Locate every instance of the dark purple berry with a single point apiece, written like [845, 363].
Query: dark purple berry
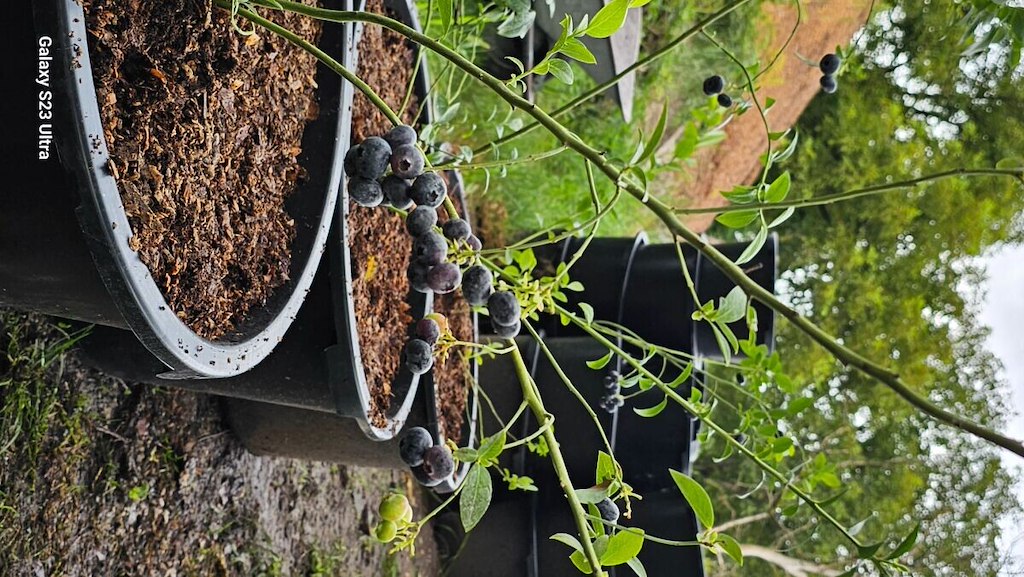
[829, 84]
[444, 278]
[396, 190]
[509, 332]
[713, 85]
[407, 161]
[417, 274]
[421, 221]
[477, 285]
[830, 64]
[429, 249]
[413, 444]
[351, 157]
[420, 474]
[724, 100]
[419, 356]
[365, 192]
[503, 308]
[456, 229]
[428, 330]
[438, 462]
[428, 189]
[474, 242]
[399, 135]
[369, 159]
[608, 509]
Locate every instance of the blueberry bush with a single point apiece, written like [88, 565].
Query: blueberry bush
[400, 171]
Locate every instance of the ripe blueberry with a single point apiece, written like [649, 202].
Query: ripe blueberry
[429, 248]
[713, 85]
[370, 158]
[438, 462]
[412, 445]
[503, 308]
[351, 158]
[456, 229]
[724, 100]
[444, 278]
[419, 356]
[474, 242]
[365, 192]
[830, 64]
[428, 190]
[829, 84]
[421, 220]
[419, 473]
[407, 161]
[504, 332]
[477, 285]
[396, 190]
[428, 330]
[417, 275]
[399, 135]
[609, 510]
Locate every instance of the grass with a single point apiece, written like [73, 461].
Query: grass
[553, 193]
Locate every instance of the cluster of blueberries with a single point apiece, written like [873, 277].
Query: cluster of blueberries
[612, 400]
[829, 65]
[715, 85]
[407, 187]
[430, 463]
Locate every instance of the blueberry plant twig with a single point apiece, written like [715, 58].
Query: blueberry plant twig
[860, 192]
[638, 65]
[647, 537]
[502, 163]
[845, 355]
[532, 397]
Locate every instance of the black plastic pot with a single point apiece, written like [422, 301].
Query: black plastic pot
[64, 248]
[646, 448]
[318, 366]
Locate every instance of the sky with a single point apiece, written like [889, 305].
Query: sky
[1003, 312]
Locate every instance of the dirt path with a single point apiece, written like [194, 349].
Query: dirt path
[792, 83]
[100, 477]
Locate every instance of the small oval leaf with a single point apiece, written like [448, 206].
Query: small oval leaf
[475, 497]
[696, 496]
[622, 547]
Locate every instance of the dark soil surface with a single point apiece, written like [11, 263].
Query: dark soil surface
[204, 126]
[101, 477]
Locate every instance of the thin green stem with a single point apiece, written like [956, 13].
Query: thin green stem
[647, 537]
[638, 65]
[859, 192]
[543, 429]
[532, 397]
[501, 163]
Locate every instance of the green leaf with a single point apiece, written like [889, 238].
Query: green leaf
[797, 406]
[608, 19]
[783, 217]
[475, 497]
[740, 194]
[659, 132]
[517, 25]
[696, 496]
[639, 3]
[733, 307]
[580, 561]
[588, 312]
[622, 547]
[906, 544]
[601, 362]
[682, 376]
[606, 469]
[445, 10]
[652, 411]
[567, 539]
[593, 495]
[737, 219]
[492, 446]
[466, 454]
[561, 70]
[868, 551]
[575, 286]
[577, 50]
[782, 445]
[731, 548]
[637, 567]
[779, 189]
[1010, 163]
[857, 527]
[755, 245]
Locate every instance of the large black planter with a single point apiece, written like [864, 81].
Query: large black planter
[646, 448]
[64, 235]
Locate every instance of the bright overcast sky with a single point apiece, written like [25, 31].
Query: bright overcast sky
[1003, 312]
